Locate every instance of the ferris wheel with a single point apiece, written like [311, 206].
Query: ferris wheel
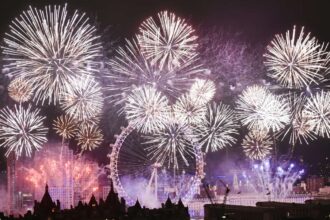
[137, 175]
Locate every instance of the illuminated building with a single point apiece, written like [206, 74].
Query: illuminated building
[11, 183]
[70, 178]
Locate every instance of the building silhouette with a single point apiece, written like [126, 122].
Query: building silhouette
[112, 208]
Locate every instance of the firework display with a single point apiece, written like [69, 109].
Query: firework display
[202, 91]
[317, 112]
[170, 93]
[20, 90]
[170, 146]
[22, 130]
[49, 49]
[259, 109]
[187, 111]
[147, 108]
[300, 127]
[218, 128]
[65, 126]
[129, 68]
[83, 100]
[257, 144]
[167, 41]
[296, 60]
[89, 138]
[275, 181]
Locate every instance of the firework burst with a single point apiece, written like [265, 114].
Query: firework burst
[295, 60]
[171, 146]
[257, 144]
[275, 181]
[300, 128]
[147, 109]
[188, 111]
[259, 109]
[217, 128]
[83, 100]
[129, 69]
[89, 138]
[20, 90]
[167, 41]
[50, 49]
[22, 130]
[202, 91]
[65, 126]
[317, 111]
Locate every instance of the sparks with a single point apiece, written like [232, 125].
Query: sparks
[300, 127]
[168, 40]
[317, 112]
[65, 126]
[147, 109]
[22, 130]
[217, 128]
[257, 144]
[89, 138]
[188, 111]
[84, 100]
[202, 91]
[130, 69]
[259, 109]
[296, 60]
[20, 90]
[171, 146]
[50, 49]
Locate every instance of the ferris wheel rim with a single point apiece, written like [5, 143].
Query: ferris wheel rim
[114, 173]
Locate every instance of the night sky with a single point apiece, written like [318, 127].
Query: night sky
[257, 21]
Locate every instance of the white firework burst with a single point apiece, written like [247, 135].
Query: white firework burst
[22, 130]
[300, 128]
[89, 138]
[20, 90]
[202, 91]
[295, 60]
[130, 69]
[217, 129]
[83, 100]
[147, 109]
[317, 112]
[171, 147]
[257, 144]
[49, 49]
[257, 108]
[186, 111]
[168, 40]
